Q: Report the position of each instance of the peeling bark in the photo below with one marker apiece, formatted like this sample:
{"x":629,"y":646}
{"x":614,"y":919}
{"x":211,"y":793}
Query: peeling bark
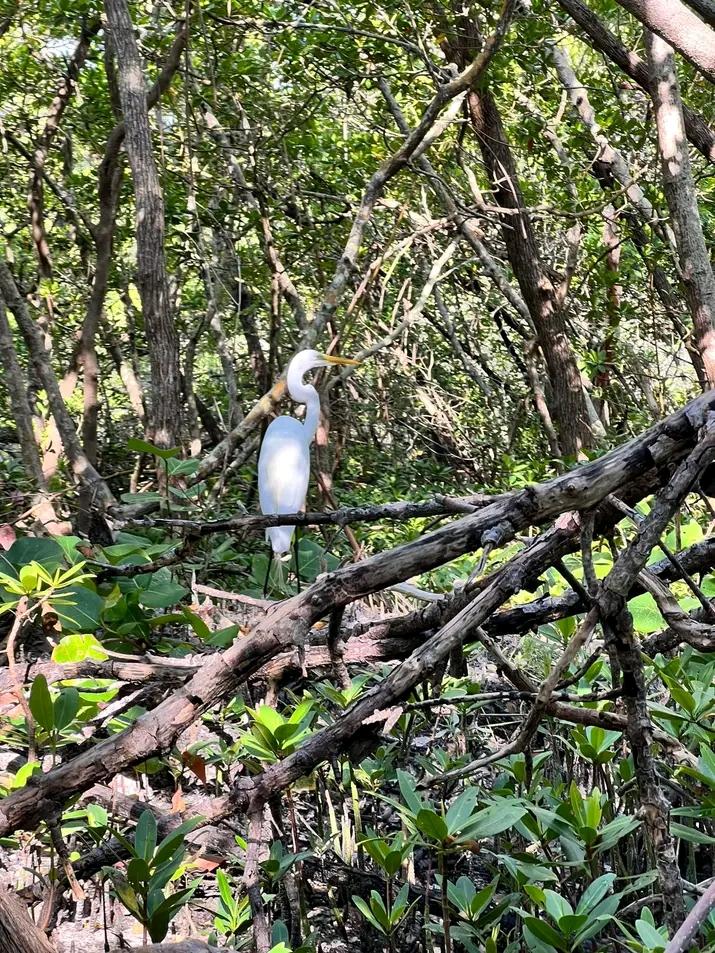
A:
{"x":699,"y":132}
{"x":677,"y":25}
{"x":681,"y":196}
{"x":162,"y":338}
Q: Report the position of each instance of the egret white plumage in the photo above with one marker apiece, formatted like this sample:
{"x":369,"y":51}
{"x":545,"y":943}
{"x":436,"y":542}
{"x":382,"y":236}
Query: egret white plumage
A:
{"x":284,"y":460}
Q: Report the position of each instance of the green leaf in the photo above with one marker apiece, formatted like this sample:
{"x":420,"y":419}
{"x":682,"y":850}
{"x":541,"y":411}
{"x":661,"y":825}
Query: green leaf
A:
{"x":154,"y":590}
{"x":482,"y":899}
{"x":431,"y":825}
{"x":690,"y":834}
{"x":24,"y":773}
{"x":97,"y":815}
{"x":183,"y":467}
{"x":399,"y":904}
{"x":408,"y":790}
{"x":197,"y":624}
{"x":163,"y":874}
{"x":571,"y":923}
{"x":145,"y":835}
{"x":222,"y":638}
{"x":125,"y":892}
{"x":646,"y":617}
{"x":392,"y":861}
{"x":536,"y":894}
{"x":556,"y":905}
{"x":706,"y":762}
{"x":595,"y":892}
{"x":175,"y":839}
{"x":162,"y":592}
{"x":267,"y":717}
{"x":143,"y":446}
{"x":650,"y":936}
{"x":461,"y":894}
{"x":150,"y":496}
{"x":681,"y":696}
{"x":461,"y":810}
{"x":543,"y":931}
{"x":224,"y":890}
{"x":616,"y":829}
{"x":29,"y":578}
{"x":279,"y":934}
{"x":78,"y":647}
{"x":379,"y":912}
{"x":138,"y":873}
{"x":29,"y":549}
{"x":78,"y":609}
{"x":367,"y":913}
{"x":494,"y":820}
{"x":41,"y":706}
{"x":158,"y":926}
{"x":66,"y":708}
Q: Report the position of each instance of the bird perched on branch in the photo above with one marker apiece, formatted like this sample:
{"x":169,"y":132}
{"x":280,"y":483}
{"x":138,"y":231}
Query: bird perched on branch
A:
{"x":284,"y":460}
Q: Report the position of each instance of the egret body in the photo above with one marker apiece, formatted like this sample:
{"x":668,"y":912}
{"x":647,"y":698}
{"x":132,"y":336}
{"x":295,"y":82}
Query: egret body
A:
{"x":284,"y":460}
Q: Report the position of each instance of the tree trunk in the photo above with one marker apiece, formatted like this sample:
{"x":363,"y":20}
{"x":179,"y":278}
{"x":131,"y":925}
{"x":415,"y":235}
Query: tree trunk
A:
{"x":42,"y":147}
{"x":600,"y":37}
{"x":165,"y":418}
{"x":569,"y":409}
{"x":18,"y":934}
{"x":16,"y":389}
{"x":681,"y":196}
{"x":681,"y":28}
{"x":123,"y":367}
{"x":706,"y":9}
{"x":35,"y":341}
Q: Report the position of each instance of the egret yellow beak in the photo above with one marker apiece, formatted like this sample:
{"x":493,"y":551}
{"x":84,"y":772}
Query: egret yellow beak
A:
{"x":332,"y":359}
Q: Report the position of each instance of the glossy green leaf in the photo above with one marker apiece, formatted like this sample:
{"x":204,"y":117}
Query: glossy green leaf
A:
{"x":145,"y":835}
{"x":66,"y":707}
{"x":41,"y":705}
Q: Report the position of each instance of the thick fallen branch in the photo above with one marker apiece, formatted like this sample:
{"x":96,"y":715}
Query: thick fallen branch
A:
{"x":648,"y":458}
{"x":423,"y":661}
{"x":699,"y":557}
{"x":18,"y":934}
{"x":361,"y":650}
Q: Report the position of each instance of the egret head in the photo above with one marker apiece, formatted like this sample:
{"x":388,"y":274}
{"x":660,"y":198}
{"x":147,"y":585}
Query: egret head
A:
{"x":305,"y":361}
{"x":309,"y":359}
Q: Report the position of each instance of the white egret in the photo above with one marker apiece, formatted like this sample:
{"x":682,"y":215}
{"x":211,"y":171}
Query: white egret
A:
{"x":284,"y":460}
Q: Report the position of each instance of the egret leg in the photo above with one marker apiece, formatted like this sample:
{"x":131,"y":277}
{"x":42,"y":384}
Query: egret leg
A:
{"x":296,"y":539}
{"x":268,"y":573}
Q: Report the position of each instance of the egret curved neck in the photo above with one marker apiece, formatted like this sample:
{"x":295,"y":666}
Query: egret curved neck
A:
{"x":306,"y":394}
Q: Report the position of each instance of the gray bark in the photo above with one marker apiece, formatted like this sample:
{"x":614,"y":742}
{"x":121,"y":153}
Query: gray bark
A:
{"x":681,"y":196}
{"x":18,"y":934}
{"x":17,"y":392}
{"x":600,"y":38}
{"x":39,"y":356}
{"x":705,"y":8}
{"x":165,"y":417}
{"x":547,"y":313}
{"x":680,"y":27}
